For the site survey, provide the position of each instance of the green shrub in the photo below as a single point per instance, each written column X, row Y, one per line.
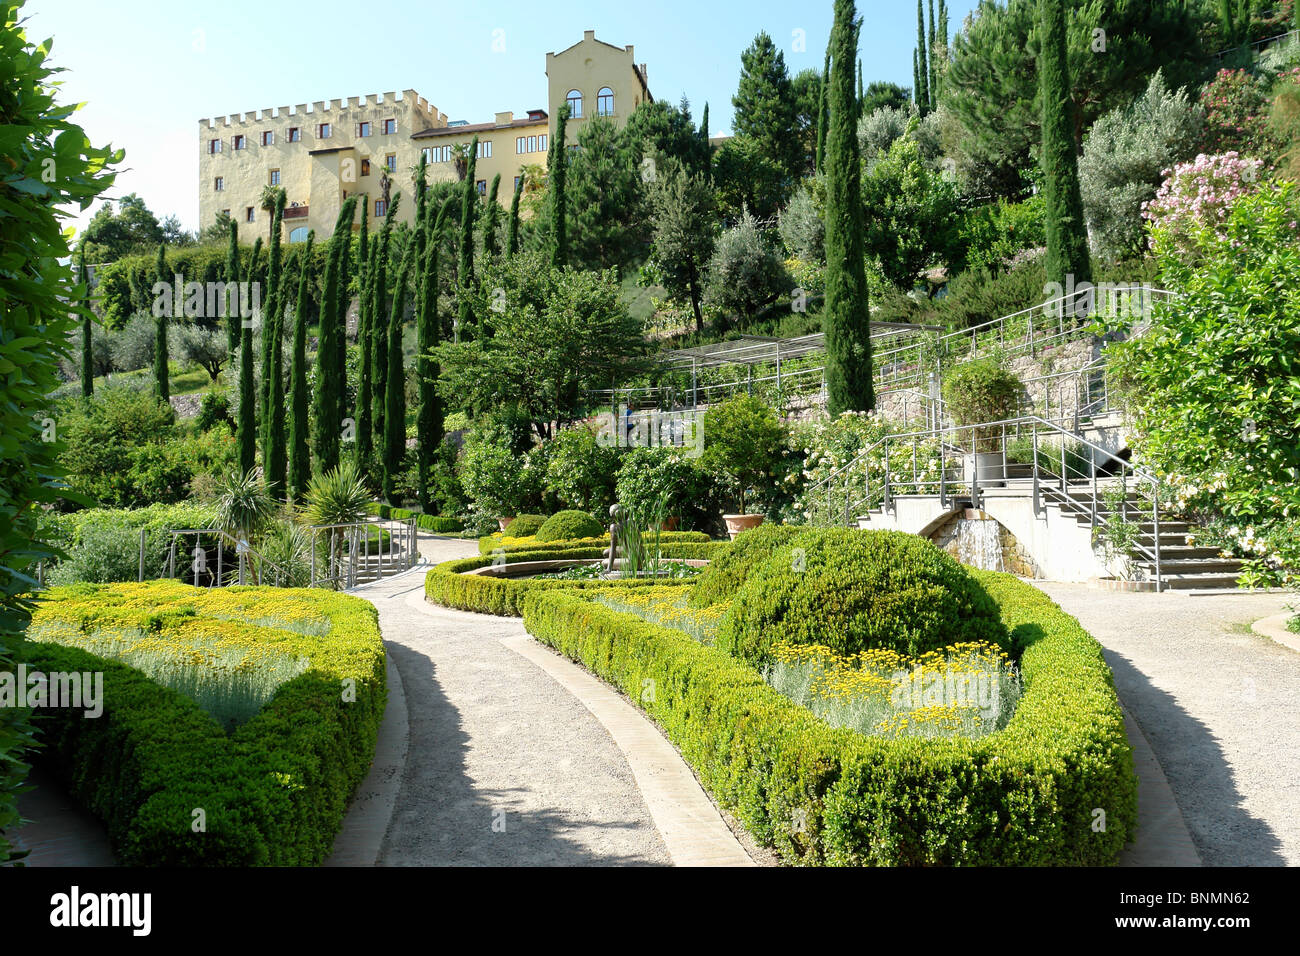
column 275, row 790
column 103, row 544
column 491, row 543
column 653, row 478
column 493, row 474
column 1026, row 795
column 215, row 410
column 525, row 525
column 566, row 525
column 982, row 391
column 579, row 471
column 447, row 585
column 851, row 591
column 436, row 524
column 731, row 568
column 745, row 444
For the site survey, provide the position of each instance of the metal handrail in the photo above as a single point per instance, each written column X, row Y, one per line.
column 244, row 552
column 341, row 569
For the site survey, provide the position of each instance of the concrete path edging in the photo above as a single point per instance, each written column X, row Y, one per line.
column 1162, row 835
column 1275, row 629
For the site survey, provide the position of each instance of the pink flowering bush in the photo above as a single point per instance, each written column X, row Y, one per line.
column 1194, row 199
column 1236, row 108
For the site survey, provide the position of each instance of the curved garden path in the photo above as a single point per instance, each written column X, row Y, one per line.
column 517, row 757
column 1218, row 705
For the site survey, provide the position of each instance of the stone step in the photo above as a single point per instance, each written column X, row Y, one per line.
column 1193, row 582
column 1211, row 566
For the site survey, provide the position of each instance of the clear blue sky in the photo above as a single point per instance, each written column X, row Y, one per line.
column 149, row 69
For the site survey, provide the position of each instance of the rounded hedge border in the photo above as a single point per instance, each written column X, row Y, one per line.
column 1027, row 795
column 274, row 791
column 495, row 542
column 436, row 524
column 448, row 585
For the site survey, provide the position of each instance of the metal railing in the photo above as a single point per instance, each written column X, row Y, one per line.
column 350, row 559
column 959, row 463
column 248, row 566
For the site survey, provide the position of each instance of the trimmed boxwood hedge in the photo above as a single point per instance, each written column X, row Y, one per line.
column 852, row 591
column 568, row 525
column 434, row 523
column 511, row 543
column 446, row 584
column 1026, row 795
column 723, row 577
column 524, row 526
column 275, row 790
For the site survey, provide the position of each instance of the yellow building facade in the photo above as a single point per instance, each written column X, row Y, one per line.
column 339, row 148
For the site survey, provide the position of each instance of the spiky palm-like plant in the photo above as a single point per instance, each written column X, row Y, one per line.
column 337, row 497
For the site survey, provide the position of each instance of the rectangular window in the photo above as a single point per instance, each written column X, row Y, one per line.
column 381, row 208
column 275, row 177
column 214, row 146
column 532, row 144
column 238, row 142
column 521, row 144
column 250, row 213
column 427, row 153
column 391, row 162
column 541, row 143
column 219, row 184
column 365, row 167
column 446, row 154
column 268, row 137
column 485, row 149
column 363, row 129
column 390, row 126
column 295, row 134
column 481, row 185
column 323, row 131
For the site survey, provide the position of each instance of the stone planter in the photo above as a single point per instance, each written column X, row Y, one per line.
column 988, row 467
column 739, row 523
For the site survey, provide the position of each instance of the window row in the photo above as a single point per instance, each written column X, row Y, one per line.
column 445, row 154
column 531, row 144
column 294, row 135
column 604, row 102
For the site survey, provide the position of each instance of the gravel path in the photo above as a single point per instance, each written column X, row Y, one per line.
column 505, row 767
column 1218, row 706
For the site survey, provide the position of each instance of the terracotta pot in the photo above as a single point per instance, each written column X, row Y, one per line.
column 739, row 523
column 669, row 524
column 502, row 522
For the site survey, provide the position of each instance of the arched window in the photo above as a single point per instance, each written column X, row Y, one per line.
column 575, row 103
column 298, row 235
column 605, row 102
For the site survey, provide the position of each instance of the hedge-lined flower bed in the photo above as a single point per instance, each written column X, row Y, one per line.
column 448, row 585
column 1033, row 793
column 436, row 524
column 510, row 543
column 274, row 790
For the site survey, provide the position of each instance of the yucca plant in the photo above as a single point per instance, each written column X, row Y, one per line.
column 338, row 497
column 243, row 504
column 288, row 547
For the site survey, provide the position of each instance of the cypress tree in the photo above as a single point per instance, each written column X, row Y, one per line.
column 299, row 456
column 929, row 59
column 429, row 431
column 512, row 240
column 379, row 327
column 559, row 163
column 823, row 118
column 846, row 323
column 394, row 390
column 87, row 333
column 490, row 247
column 363, row 340
column 916, row 81
column 255, row 265
column 922, row 62
column 861, row 95
column 246, row 431
column 328, row 397
column 466, row 273
column 271, row 345
column 368, row 346
column 345, row 301
column 943, row 29
column 162, row 387
column 1067, row 236
column 232, row 288
column 277, row 438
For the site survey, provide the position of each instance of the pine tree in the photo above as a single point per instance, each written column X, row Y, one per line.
column 364, row 275
column 299, row 456
column 379, row 326
column 277, row 438
column 272, row 338
column 767, row 106
column 162, row 387
column 395, row 390
column 232, row 289
column 846, row 321
column 328, row 396
column 559, row 161
column 930, row 61
column 87, row 333
column 1067, row 235
column 922, row 62
column 465, row 275
column 823, row 112
column 490, row 246
column 429, row 431
column 512, row 238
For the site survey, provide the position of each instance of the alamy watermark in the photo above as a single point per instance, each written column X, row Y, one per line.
column 206, row 300
column 652, row 428
column 77, row 690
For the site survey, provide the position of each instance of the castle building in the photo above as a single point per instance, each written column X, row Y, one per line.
column 371, row 146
